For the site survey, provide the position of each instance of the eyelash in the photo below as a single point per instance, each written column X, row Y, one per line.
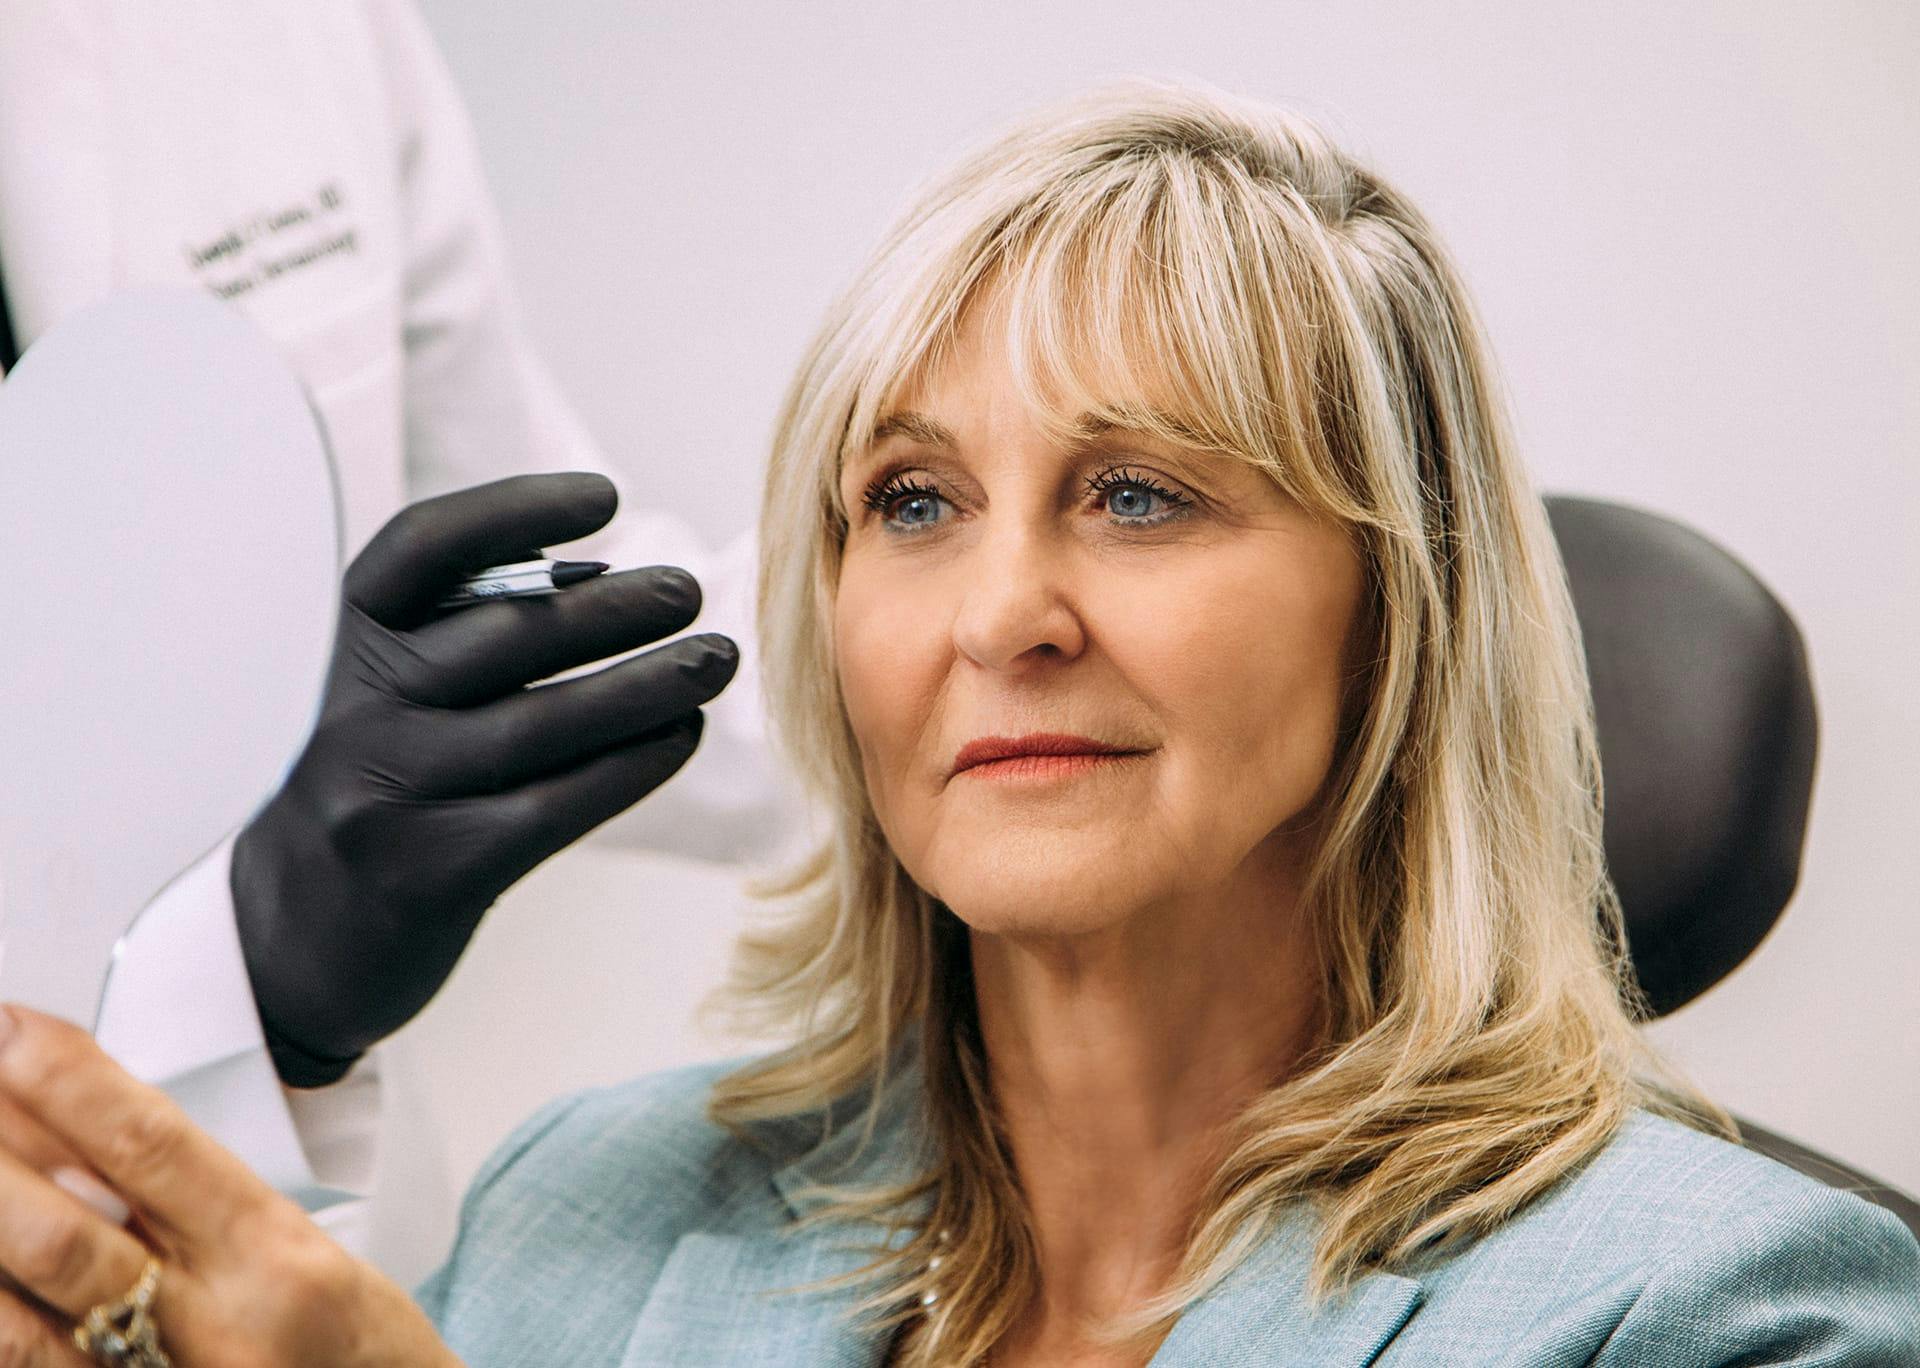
column 884, row 493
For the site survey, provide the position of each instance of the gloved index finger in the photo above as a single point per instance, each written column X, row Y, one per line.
column 428, row 547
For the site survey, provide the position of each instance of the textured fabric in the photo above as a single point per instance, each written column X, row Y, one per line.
column 619, row 1227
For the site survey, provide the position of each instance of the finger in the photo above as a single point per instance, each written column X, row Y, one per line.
column 78, row 1183
column 31, row 1142
column 483, row 652
column 41, row 1150
column 552, row 813
column 427, row 547
column 55, row 1248
column 30, row 1338
column 133, row 1135
column 534, row 733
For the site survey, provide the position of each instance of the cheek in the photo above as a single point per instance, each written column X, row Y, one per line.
column 1251, row 678
column 881, row 647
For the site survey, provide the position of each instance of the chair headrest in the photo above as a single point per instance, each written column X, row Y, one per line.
column 1707, row 730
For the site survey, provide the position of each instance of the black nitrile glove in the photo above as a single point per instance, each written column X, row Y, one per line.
column 434, row 778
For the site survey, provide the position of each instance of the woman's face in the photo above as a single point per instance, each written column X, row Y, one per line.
column 1166, row 602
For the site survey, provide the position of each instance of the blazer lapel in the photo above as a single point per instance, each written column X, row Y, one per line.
column 1259, row 1315
column 718, row 1301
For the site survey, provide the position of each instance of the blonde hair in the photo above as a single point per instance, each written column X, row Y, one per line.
column 1217, row 271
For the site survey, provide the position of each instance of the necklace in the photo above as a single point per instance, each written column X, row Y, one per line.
column 931, row 1297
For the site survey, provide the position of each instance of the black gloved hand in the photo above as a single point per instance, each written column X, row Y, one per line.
column 434, row 779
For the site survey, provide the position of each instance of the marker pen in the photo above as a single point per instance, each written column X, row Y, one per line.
column 519, row 580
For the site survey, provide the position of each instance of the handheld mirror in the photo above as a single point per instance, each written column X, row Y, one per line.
column 169, row 533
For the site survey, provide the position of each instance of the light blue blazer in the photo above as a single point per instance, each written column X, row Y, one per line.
column 620, row 1227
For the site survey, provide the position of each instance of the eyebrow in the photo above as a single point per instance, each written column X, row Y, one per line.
column 930, row 432
column 1146, row 422
column 918, row 426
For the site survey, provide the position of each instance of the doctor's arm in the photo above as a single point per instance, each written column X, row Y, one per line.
column 178, row 1009
column 480, row 405
column 433, row 780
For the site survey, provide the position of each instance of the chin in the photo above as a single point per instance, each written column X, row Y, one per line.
column 1027, row 918
column 1051, row 897
column 1044, row 874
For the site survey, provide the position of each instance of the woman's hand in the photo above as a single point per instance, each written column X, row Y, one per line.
column 248, row 1279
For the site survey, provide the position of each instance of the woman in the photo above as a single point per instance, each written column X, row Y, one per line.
column 1212, row 960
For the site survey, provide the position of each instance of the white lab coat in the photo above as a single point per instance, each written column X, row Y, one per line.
column 313, row 164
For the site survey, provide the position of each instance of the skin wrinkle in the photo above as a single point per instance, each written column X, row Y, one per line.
column 1140, row 971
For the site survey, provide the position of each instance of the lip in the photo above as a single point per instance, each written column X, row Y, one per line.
column 983, row 749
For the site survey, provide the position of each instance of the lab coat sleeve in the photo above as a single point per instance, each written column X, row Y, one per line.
column 479, row 406
column 178, row 1012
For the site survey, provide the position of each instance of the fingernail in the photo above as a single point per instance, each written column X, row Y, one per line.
column 90, row 1191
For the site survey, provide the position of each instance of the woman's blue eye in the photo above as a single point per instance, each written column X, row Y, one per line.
column 1131, row 496
column 914, row 503
column 923, row 503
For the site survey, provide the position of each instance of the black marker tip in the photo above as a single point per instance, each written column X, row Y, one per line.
column 572, row 572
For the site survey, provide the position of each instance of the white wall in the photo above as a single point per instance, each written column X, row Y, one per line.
column 1691, row 232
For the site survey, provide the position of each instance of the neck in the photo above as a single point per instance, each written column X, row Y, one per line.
column 1118, row 1058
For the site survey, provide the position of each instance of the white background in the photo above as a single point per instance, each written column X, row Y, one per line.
column 1691, row 230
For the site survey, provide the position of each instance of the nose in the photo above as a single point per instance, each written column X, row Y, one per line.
column 1017, row 609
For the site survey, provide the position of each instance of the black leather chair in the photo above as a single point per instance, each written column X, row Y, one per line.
column 1707, row 733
